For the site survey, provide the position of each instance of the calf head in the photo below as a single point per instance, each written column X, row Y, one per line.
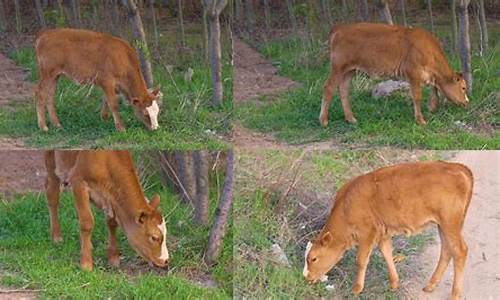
column 147, row 234
column 455, row 89
column 148, row 109
column 321, row 255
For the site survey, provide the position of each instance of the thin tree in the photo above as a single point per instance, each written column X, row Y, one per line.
column 214, row 9
column 250, row 15
column 464, row 41
column 185, row 170
column 267, row 14
column 237, row 9
column 17, row 7
column 482, row 25
column 152, row 16
column 345, row 9
column 291, row 14
column 403, row 11
column 201, row 166
column 218, row 230
column 205, row 33
column 182, row 40
column 39, row 12
column 115, row 17
column 384, row 11
column 431, row 17
column 75, row 11
column 364, row 10
column 3, row 19
column 140, row 40
column 454, row 24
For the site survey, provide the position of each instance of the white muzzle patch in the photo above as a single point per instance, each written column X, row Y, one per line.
column 306, row 268
column 466, row 98
column 153, row 111
column 164, row 250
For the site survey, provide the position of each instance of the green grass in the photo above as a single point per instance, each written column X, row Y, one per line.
column 256, row 276
column 187, row 120
column 293, row 116
column 29, row 259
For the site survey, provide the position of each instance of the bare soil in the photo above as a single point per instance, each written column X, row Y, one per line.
column 21, row 171
column 482, row 273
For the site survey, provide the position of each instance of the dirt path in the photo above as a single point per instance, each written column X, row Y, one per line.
column 481, row 232
column 21, row 171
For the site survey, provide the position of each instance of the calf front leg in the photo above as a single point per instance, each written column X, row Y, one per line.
column 86, row 220
column 385, row 246
column 52, row 190
column 344, row 97
column 104, row 109
column 416, row 91
column 434, row 102
column 362, row 259
column 113, row 252
column 41, row 95
column 113, row 104
column 51, row 89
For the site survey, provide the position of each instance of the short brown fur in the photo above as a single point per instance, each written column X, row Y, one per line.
column 90, row 57
column 389, row 50
column 107, row 179
column 401, row 199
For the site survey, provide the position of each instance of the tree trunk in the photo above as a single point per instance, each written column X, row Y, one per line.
column 205, row 32
column 218, row 230
column 384, row 11
column 140, row 42
column 454, row 30
column 201, row 166
column 250, row 15
column 115, row 18
column 215, row 8
column 182, row 40
column 95, row 14
column 39, row 12
column 291, row 15
column 75, row 11
column 464, row 42
column 429, row 8
column 364, row 10
column 19, row 25
column 267, row 14
column 3, row 18
column 484, row 28
column 345, row 9
column 152, row 16
column 237, row 10
column 314, row 28
column 403, row 12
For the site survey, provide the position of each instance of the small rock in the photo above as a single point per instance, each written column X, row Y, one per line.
column 387, row 88
column 279, row 256
column 188, row 75
column 329, row 287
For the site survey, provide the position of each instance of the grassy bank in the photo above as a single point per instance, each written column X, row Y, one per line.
column 293, row 116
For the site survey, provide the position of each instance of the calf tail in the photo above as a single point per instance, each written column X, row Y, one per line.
column 469, row 174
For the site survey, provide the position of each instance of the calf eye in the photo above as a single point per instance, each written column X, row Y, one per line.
column 154, row 238
column 314, row 259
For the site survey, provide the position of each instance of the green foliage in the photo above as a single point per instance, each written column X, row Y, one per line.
column 293, row 115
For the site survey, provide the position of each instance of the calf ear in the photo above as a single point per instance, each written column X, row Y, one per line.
column 326, row 239
column 141, row 218
column 155, row 202
column 156, row 91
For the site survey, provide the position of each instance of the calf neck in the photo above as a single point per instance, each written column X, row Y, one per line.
column 107, row 179
column 389, row 50
column 402, row 199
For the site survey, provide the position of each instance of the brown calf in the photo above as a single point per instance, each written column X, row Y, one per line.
column 389, row 50
column 107, row 179
column 95, row 58
column 400, row 199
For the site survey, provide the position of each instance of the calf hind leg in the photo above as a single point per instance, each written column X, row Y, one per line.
column 51, row 89
column 329, row 88
column 41, row 96
column 444, row 260
column 458, row 249
column 86, row 220
column 417, row 96
column 344, row 97
column 112, row 100
column 434, row 102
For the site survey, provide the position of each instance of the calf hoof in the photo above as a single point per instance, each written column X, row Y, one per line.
column 433, row 107
column 357, row 289
column 394, row 284
column 429, row 288
column 323, row 122
column 421, row 121
column 120, row 127
column 87, row 267
column 114, row 261
column 351, row 120
column 57, row 239
column 43, row 128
